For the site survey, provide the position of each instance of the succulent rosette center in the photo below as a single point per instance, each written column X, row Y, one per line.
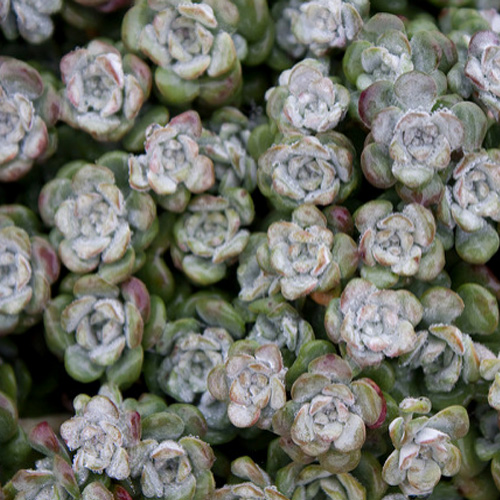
column 424, row 446
column 168, row 471
column 170, row 163
column 209, row 232
column 381, row 64
column 23, row 134
column 181, row 37
column 378, row 323
column 313, row 103
column 424, row 141
column 394, row 245
column 327, row 420
column 95, row 225
column 253, row 385
column 325, row 24
column 300, row 256
column 15, row 270
column 172, row 158
column 98, row 438
column 476, row 192
column 183, row 373
column 16, row 120
column 98, row 86
column 99, row 325
column 307, row 172
column 195, row 365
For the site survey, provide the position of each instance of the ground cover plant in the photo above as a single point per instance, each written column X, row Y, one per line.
column 249, row 249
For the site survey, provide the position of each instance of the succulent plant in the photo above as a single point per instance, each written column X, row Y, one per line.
column 326, row 181
column 327, row 416
column 225, row 142
column 322, row 25
column 97, row 224
column 413, row 138
column 28, row 18
column 171, row 460
column 53, row 476
column 100, row 327
column 424, row 449
column 308, row 482
column 445, row 354
column 382, row 51
column 476, row 190
column 187, row 349
column 282, row 325
column 100, row 433
column 104, row 91
column 24, row 133
column 403, row 242
column 173, row 166
column 251, row 381
column 316, row 170
column 307, row 101
column 481, row 69
column 29, row 266
column 373, row 323
column 258, row 485
column 302, row 254
column 471, row 203
column 172, row 469
column 191, row 44
column 255, row 282
column 286, row 48
column 208, row 236
column 189, row 353
column 42, row 482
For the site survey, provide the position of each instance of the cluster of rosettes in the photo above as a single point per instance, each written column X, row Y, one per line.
column 291, row 262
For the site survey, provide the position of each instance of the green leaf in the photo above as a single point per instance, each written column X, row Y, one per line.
column 220, row 313
column 475, row 124
column 377, row 166
column 134, row 140
column 127, row 369
column 79, row 366
column 441, row 305
column 308, row 352
column 194, row 422
column 8, row 418
column 481, row 314
column 162, row 425
column 477, row 247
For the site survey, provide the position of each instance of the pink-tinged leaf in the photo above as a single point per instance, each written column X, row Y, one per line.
column 17, row 76
column 377, row 401
column 243, row 416
column 188, row 122
column 120, row 493
column 135, row 291
column 44, row 440
column 416, row 90
column 36, row 141
column 373, row 99
column 65, row 476
column 45, row 257
column 480, row 41
column 333, row 367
